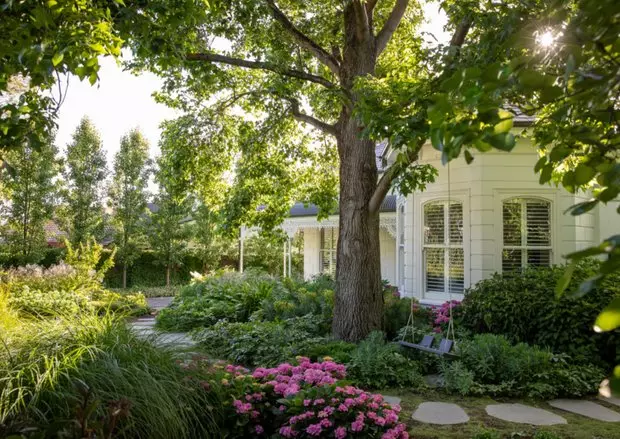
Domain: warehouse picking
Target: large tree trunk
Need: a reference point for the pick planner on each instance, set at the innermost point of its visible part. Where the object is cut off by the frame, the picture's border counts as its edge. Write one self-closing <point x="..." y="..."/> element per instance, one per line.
<point x="359" y="300"/>
<point x="168" y="275"/>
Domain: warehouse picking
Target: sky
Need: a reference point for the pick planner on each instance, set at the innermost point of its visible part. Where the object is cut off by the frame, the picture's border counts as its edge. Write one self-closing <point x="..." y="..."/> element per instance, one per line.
<point x="121" y="101"/>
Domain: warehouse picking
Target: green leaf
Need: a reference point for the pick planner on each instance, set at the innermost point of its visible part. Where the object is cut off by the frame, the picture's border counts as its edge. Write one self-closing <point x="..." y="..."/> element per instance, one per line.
<point x="545" y="174"/>
<point x="581" y="208"/>
<point x="540" y="163"/>
<point x="586" y="253"/>
<point x="564" y="280"/>
<point x="57" y="59"/>
<point x="97" y="47"/>
<point x="584" y="174"/>
<point x="609" y="318"/>
<point x="92" y="78"/>
<point x="468" y="157"/>
<point x="503" y="141"/>
<point x="506" y="122"/>
<point x="534" y="79"/>
<point x="437" y="138"/>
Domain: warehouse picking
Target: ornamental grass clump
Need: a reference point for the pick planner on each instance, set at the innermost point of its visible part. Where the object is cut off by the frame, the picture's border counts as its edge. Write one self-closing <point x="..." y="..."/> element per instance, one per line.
<point x="302" y="400"/>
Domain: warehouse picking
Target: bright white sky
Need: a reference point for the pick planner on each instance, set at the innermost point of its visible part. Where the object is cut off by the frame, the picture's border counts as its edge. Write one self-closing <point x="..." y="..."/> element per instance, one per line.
<point x="121" y="101"/>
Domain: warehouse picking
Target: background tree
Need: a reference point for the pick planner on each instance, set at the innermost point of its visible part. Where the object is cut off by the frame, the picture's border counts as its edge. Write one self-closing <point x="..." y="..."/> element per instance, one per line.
<point x="127" y="197"/>
<point x="31" y="190"/>
<point x="209" y="243"/>
<point x="296" y="62"/>
<point x="168" y="232"/>
<point x="85" y="174"/>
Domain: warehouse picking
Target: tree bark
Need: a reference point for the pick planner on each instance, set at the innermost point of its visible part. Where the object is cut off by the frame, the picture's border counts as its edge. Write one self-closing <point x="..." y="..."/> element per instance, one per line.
<point x="167" y="275"/>
<point x="359" y="301"/>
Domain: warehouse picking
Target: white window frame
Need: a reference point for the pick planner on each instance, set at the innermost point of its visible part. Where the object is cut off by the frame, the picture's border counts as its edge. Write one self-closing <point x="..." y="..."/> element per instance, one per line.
<point x="420" y="200"/>
<point x="333" y="251"/>
<point x="548" y="195"/>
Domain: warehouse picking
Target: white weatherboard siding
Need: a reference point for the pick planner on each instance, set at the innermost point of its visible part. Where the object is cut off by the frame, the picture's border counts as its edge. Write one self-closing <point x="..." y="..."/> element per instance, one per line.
<point x="482" y="187"/>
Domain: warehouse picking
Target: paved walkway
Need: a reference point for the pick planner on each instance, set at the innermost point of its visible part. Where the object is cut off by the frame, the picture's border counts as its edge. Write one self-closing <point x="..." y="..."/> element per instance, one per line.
<point x="145" y="327"/>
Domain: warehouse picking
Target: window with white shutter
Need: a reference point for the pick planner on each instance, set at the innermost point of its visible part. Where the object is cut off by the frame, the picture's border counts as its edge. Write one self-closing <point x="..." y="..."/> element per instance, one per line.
<point x="329" y="242"/>
<point x="526" y="233"/>
<point x="443" y="247"/>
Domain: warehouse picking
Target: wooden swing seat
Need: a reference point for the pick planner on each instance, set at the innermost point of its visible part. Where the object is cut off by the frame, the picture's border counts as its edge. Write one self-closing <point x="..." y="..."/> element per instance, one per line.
<point x="426" y="345"/>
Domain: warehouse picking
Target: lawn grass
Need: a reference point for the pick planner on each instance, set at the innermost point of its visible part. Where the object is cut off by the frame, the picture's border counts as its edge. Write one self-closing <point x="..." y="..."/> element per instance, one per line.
<point x="578" y="427"/>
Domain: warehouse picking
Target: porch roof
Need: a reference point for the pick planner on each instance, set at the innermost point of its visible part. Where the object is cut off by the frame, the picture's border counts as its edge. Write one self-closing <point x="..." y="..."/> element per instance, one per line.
<point x="299" y="209"/>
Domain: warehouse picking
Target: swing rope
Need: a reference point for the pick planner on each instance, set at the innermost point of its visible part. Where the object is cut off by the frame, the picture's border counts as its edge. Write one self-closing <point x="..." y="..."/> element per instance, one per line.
<point x="410" y="323"/>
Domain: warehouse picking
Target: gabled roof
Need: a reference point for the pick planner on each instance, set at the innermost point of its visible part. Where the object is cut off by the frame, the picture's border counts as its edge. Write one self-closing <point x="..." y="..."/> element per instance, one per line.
<point x="298" y="209"/>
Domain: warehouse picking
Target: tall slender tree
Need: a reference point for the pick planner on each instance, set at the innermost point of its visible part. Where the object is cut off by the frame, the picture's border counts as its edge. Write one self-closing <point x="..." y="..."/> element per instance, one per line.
<point x="31" y="187"/>
<point x="168" y="234"/>
<point x="127" y="197"/>
<point x="85" y="174"/>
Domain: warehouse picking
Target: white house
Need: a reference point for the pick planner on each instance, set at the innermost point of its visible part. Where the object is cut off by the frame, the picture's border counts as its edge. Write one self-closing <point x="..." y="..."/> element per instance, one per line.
<point x="474" y="220"/>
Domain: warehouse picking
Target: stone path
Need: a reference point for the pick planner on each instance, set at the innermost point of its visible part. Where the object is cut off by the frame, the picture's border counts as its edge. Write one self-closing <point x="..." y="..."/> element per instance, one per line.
<point x="524" y="414"/>
<point x="440" y="413"/>
<point x="586" y="408"/>
<point x="145" y="327"/>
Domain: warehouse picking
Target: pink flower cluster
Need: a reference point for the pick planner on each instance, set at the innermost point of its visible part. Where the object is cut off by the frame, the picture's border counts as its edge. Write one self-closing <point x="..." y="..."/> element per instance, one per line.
<point x="349" y="412"/>
<point x="305" y="401"/>
<point x="441" y="314"/>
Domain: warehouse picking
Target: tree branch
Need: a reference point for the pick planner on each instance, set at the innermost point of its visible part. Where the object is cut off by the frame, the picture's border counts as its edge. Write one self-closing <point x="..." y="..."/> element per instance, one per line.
<point x="385" y="34"/>
<point x="213" y="57"/>
<point x="303" y="40"/>
<point x="370" y="6"/>
<point x="385" y="182"/>
<point x="362" y="27"/>
<point x="458" y="38"/>
<point x="303" y="117"/>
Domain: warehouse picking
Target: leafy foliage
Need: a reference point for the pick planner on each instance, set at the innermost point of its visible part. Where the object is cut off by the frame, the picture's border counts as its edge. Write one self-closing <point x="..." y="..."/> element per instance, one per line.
<point x="127" y="196"/>
<point x="524" y="308"/>
<point x="84" y="174"/>
<point x="375" y="364"/>
<point x="489" y="364"/>
<point x="31" y="188"/>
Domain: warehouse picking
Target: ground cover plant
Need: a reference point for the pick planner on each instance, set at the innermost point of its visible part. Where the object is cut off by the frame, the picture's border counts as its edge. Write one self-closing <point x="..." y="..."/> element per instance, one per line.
<point x="489" y="365"/>
<point x="301" y="399"/>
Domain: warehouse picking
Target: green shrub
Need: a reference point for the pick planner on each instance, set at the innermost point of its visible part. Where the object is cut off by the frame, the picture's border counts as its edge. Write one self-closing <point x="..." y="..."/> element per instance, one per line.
<point x="338" y="351"/>
<point x="230" y="296"/>
<point x="524" y="308"/>
<point x="67" y="288"/>
<point x="490" y="365"/>
<point x="375" y="364"/>
<point x="546" y="435"/>
<point x="487" y="434"/>
<point x="260" y="343"/>
<point x="50" y="368"/>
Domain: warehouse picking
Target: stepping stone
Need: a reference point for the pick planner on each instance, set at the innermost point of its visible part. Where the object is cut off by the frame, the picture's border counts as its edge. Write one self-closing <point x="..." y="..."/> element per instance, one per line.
<point x="391" y="400"/>
<point x="440" y="413"/>
<point x="588" y="409"/>
<point x="610" y="400"/>
<point x="524" y="414"/>
<point x="159" y="303"/>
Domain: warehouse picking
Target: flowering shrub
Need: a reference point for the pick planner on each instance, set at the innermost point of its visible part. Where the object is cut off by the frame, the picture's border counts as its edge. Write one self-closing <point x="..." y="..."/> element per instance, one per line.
<point x="441" y="315"/>
<point x="302" y="401"/>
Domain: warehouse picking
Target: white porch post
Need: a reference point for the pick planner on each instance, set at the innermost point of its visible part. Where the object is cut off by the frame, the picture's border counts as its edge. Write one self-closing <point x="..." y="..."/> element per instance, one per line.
<point x="284" y="260"/>
<point x="290" y="257"/>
